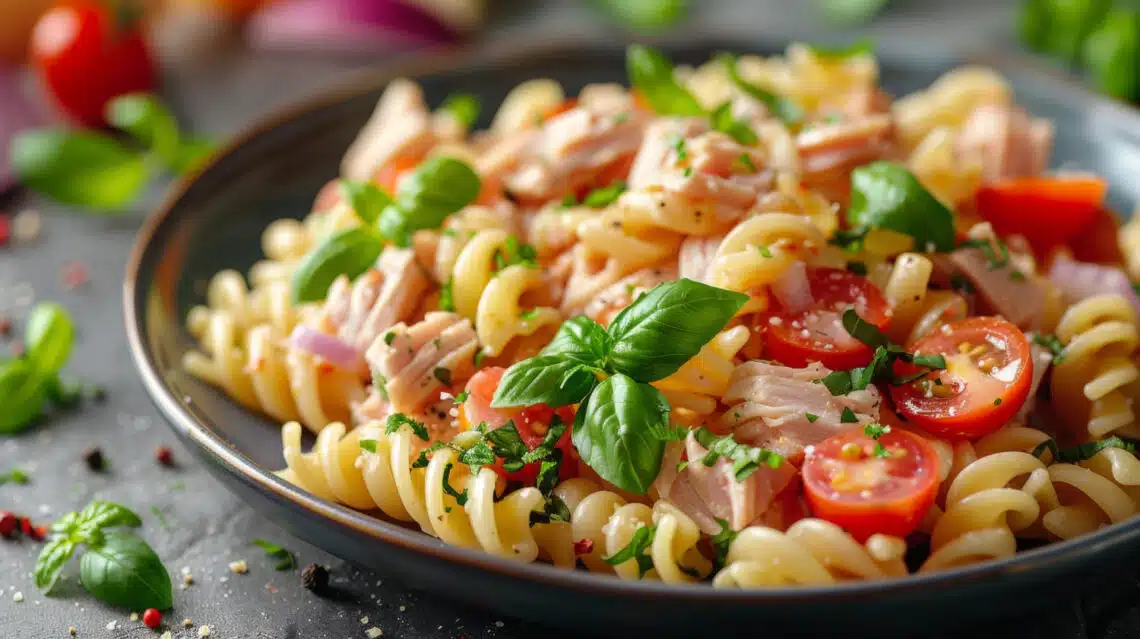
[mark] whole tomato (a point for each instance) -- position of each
(88, 52)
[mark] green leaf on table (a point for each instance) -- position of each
(348, 252)
(885, 195)
(64, 392)
(284, 558)
(104, 514)
(80, 168)
(667, 326)
(651, 74)
(22, 394)
(53, 557)
(850, 11)
(618, 429)
(1112, 55)
(125, 571)
(48, 336)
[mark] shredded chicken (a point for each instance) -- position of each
(415, 363)
(378, 299)
(784, 409)
(696, 257)
(401, 126)
(707, 493)
(437, 416)
(1006, 141)
(620, 294)
(1009, 292)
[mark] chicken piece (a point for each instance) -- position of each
(708, 493)
(379, 298)
(659, 148)
(401, 126)
(1006, 141)
(438, 416)
(416, 363)
(784, 409)
(845, 145)
(620, 294)
(695, 258)
(859, 104)
(1007, 286)
(573, 148)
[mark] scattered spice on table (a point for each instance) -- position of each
(315, 578)
(18, 597)
(16, 350)
(239, 567)
(74, 275)
(93, 457)
(186, 623)
(373, 632)
(8, 523)
(164, 455)
(151, 618)
(5, 325)
(26, 226)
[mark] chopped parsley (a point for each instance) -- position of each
(388, 337)
(764, 251)
(881, 451)
(722, 542)
(745, 459)
(395, 421)
(446, 298)
(1083, 451)
(881, 366)
(875, 431)
(848, 416)
(1053, 343)
(811, 417)
(640, 542)
(995, 252)
(442, 374)
(677, 143)
(515, 252)
(850, 241)
(604, 196)
(462, 397)
(744, 161)
(477, 358)
(460, 497)
(997, 401)
(529, 314)
(688, 171)
(368, 445)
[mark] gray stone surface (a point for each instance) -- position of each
(206, 527)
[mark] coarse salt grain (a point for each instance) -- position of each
(71, 630)
(134, 616)
(18, 597)
(111, 625)
(204, 631)
(166, 635)
(364, 621)
(26, 226)
(239, 567)
(373, 633)
(186, 623)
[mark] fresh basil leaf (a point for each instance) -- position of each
(49, 334)
(507, 444)
(646, 15)
(80, 168)
(604, 196)
(614, 432)
(937, 362)
(349, 252)
(448, 489)
(53, 557)
(581, 339)
(863, 330)
(63, 393)
(666, 327)
(146, 119)
(1054, 344)
(723, 121)
(124, 571)
(547, 379)
(862, 46)
(105, 514)
(547, 477)
(396, 420)
(1087, 450)
(885, 195)
(786, 110)
(437, 188)
(23, 392)
(722, 543)
(366, 199)
(639, 543)
(848, 416)
(651, 75)
(464, 107)
(476, 457)
(1112, 54)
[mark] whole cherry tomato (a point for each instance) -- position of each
(87, 53)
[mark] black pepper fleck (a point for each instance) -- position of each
(315, 578)
(93, 457)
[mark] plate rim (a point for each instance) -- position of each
(466, 59)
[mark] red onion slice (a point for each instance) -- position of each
(793, 290)
(1079, 280)
(347, 26)
(330, 348)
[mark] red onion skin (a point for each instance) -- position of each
(330, 348)
(1079, 280)
(347, 25)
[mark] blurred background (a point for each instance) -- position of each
(219, 64)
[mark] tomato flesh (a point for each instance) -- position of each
(388, 176)
(989, 369)
(1047, 210)
(848, 484)
(85, 59)
(531, 422)
(816, 334)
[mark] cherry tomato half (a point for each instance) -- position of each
(817, 333)
(868, 486)
(85, 55)
(389, 175)
(988, 373)
(531, 422)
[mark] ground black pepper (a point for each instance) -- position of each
(93, 457)
(315, 578)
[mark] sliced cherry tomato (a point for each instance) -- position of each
(988, 373)
(565, 106)
(389, 175)
(1099, 241)
(86, 55)
(531, 422)
(868, 486)
(817, 333)
(1047, 210)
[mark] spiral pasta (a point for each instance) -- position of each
(759, 250)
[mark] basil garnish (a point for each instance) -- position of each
(1053, 343)
(651, 74)
(745, 459)
(786, 110)
(640, 542)
(1082, 452)
(722, 543)
(464, 107)
(885, 195)
(546, 379)
(366, 199)
(437, 188)
(881, 366)
(615, 432)
(581, 339)
(723, 121)
(667, 326)
(604, 196)
(348, 252)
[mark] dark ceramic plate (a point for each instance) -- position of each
(214, 220)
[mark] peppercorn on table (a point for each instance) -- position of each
(234, 573)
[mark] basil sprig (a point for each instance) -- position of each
(437, 188)
(881, 367)
(786, 110)
(651, 73)
(118, 568)
(1082, 452)
(29, 381)
(885, 195)
(622, 422)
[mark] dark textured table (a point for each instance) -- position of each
(198, 527)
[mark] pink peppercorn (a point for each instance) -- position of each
(152, 618)
(8, 523)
